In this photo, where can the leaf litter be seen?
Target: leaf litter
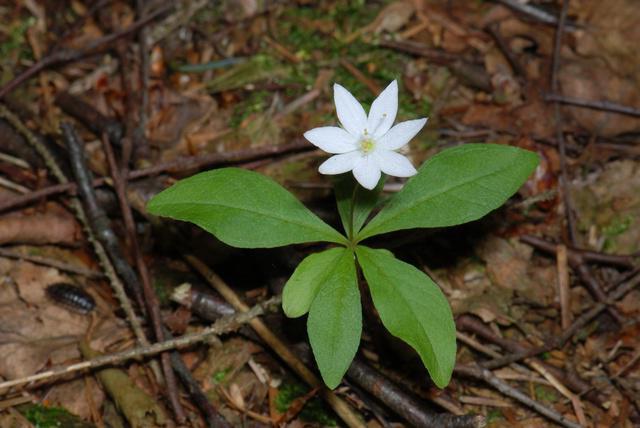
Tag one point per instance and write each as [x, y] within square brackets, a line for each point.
[244, 75]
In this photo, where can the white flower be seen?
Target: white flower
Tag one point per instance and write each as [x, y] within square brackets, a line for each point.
[365, 144]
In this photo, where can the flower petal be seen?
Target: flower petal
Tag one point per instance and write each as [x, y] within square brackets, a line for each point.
[332, 139]
[394, 164]
[367, 171]
[401, 134]
[350, 112]
[339, 163]
[383, 111]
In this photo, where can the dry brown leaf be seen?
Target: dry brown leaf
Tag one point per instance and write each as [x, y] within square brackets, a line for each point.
[47, 228]
[608, 65]
[393, 17]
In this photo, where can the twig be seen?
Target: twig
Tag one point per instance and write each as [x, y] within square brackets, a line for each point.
[370, 84]
[494, 31]
[211, 415]
[405, 405]
[45, 261]
[343, 410]
[470, 73]
[179, 164]
[481, 373]
[139, 138]
[562, 266]
[472, 324]
[8, 184]
[224, 325]
[68, 55]
[577, 255]
[99, 219]
[419, 49]
[595, 105]
[575, 400]
[534, 12]
[583, 272]
[90, 117]
[150, 298]
[559, 341]
[20, 163]
[564, 180]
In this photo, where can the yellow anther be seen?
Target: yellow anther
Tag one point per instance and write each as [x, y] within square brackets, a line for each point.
[367, 145]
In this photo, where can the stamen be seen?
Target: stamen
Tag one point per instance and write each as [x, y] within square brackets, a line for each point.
[384, 116]
[367, 145]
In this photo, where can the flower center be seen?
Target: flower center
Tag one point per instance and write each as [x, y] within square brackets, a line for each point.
[367, 145]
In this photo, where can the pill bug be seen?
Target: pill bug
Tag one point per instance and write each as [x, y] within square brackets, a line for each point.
[72, 297]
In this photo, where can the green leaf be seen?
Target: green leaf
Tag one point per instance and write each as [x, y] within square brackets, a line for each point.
[456, 186]
[363, 201]
[335, 321]
[413, 308]
[242, 208]
[313, 272]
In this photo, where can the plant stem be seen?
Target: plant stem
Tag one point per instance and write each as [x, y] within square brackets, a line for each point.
[351, 232]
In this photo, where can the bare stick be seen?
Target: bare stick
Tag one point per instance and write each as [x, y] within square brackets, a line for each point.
[562, 265]
[45, 261]
[405, 405]
[84, 180]
[595, 105]
[150, 298]
[578, 255]
[533, 12]
[343, 410]
[224, 325]
[486, 375]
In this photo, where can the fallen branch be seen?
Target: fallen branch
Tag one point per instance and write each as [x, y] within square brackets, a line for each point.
[486, 375]
[595, 105]
[222, 326]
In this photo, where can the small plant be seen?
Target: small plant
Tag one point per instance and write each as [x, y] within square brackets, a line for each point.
[248, 210]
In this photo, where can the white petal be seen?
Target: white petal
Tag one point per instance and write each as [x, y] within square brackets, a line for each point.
[339, 163]
[394, 164]
[383, 111]
[367, 172]
[332, 139]
[401, 134]
[350, 112]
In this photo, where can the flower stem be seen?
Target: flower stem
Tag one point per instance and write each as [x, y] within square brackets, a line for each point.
[352, 206]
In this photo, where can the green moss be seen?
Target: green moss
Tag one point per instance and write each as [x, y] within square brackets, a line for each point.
[16, 40]
[13, 46]
[51, 417]
[323, 50]
[544, 393]
[255, 102]
[615, 228]
[219, 376]
[313, 411]
[494, 415]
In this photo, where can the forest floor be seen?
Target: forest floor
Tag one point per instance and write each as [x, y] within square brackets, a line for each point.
[544, 290]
